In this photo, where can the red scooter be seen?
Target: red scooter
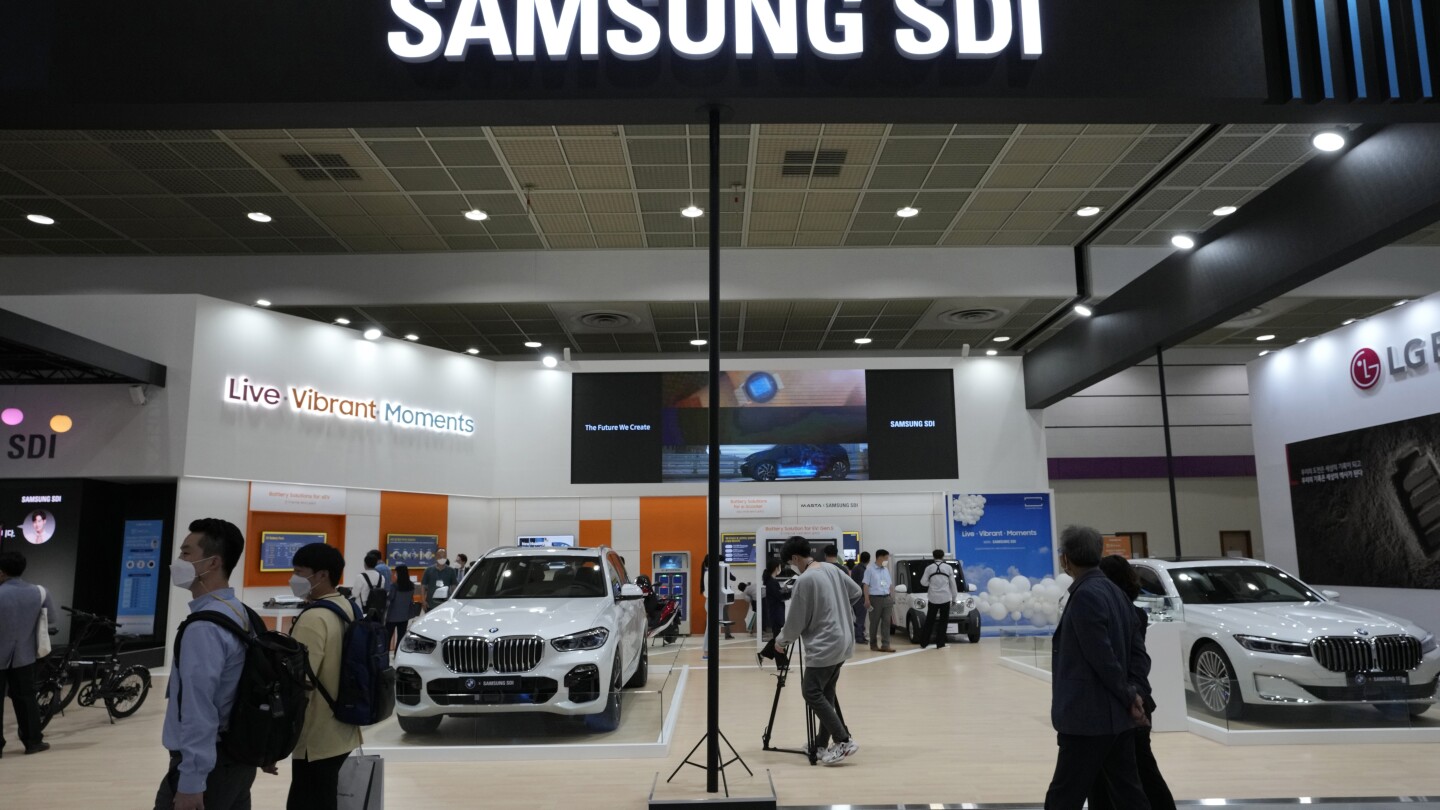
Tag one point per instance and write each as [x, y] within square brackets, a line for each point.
[662, 613]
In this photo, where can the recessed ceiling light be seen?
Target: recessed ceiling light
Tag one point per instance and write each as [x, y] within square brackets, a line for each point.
[1262, 354]
[550, 361]
[373, 334]
[472, 350]
[412, 336]
[262, 302]
[1083, 311]
[342, 321]
[691, 212]
[40, 219]
[862, 341]
[1328, 141]
[1002, 339]
[1302, 340]
[476, 215]
[1225, 210]
[991, 352]
[1088, 211]
[907, 212]
[259, 216]
[1265, 337]
[1402, 302]
[533, 344]
[699, 342]
[1182, 241]
[1347, 321]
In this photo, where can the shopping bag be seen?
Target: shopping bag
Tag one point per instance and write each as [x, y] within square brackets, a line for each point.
[42, 629]
[362, 783]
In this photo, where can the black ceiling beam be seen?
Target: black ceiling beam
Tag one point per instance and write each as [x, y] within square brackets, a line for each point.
[84, 360]
[1326, 214]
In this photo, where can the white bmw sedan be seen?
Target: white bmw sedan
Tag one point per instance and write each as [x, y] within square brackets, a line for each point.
[558, 630]
[1254, 634]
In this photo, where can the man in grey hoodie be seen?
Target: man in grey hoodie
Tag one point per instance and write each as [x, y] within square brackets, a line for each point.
[820, 616]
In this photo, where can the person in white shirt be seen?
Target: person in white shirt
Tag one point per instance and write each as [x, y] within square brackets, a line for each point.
[940, 590]
[878, 601]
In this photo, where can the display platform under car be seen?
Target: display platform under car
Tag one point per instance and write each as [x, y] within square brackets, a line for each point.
[556, 630]
[1252, 634]
[911, 600]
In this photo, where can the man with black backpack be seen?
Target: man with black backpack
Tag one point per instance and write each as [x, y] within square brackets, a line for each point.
[205, 677]
[373, 592]
[325, 739]
[940, 591]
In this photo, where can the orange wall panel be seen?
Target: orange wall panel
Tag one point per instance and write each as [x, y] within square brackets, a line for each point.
[676, 524]
[594, 533]
[413, 513]
[260, 522]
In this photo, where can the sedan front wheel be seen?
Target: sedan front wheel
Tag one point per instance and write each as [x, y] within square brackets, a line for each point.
[1214, 679]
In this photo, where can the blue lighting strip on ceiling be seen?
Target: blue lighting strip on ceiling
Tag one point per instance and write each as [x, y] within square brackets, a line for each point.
[1355, 48]
[1389, 48]
[1420, 45]
[1324, 30]
[1292, 48]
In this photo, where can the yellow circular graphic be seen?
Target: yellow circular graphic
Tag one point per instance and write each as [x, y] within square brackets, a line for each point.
[60, 423]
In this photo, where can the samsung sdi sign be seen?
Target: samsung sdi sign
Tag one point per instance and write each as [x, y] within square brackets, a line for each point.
[636, 30]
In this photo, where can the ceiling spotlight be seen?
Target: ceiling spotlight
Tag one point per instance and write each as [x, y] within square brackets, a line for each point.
[1402, 302]
[372, 333]
[476, 215]
[1088, 211]
[533, 344]
[1224, 210]
[907, 212]
[1182, 241]
[991, 352]
[1083, 311]
[40, 219]
[1002, 339]
[412, 337]
[549, 361]
[1262, 354]
[1302, 340]
[472, 350]
[1328, 141]
[699, 342]
[862, 341]
[262, 302]
[1265, 337]
[342, 321]
[1347, 321]
[258, 216]
[691, 212]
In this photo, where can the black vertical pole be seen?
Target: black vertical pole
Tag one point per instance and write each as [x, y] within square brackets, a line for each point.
[1169, 452]
[714, 585]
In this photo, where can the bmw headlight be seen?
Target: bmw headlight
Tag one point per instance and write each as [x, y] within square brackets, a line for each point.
[417, 644]
[920, 603]
[592, 639]
[1428, 644]
[1273, 646]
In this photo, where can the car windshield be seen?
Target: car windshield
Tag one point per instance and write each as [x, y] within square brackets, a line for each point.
[917, 568]
[1239, 584]
[538, 577]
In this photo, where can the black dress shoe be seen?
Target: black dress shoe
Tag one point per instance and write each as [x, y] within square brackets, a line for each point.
[37, 748]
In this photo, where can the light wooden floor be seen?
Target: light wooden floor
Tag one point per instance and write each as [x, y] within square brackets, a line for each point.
[936, 726]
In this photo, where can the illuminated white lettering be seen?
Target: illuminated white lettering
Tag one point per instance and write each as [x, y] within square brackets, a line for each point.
[852, 30]
[968, 44]
[432, 35]
[937, 33]
[646, 27]
[714, 29]
[1031, 44]
[491, 29]
[558, 30]
[779, 29]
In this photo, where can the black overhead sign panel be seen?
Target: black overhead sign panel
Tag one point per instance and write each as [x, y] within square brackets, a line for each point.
[297, 63]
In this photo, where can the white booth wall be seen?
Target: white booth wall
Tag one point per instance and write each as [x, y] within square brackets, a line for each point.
[1305, 391]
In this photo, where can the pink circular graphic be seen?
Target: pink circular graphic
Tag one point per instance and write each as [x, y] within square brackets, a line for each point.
[12, 416]
[1365, 369]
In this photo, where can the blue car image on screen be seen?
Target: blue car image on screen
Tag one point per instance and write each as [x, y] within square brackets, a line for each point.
[787, 461]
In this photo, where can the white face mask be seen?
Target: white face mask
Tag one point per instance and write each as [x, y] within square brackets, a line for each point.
[182, 572]
[300, 586]
[442, 562]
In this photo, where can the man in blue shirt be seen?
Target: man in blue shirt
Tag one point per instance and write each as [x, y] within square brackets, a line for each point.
[878, 600]
[205, 677]
[386, 578]
[20, 605]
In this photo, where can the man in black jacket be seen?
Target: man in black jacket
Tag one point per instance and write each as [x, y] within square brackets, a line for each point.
[1094, 706]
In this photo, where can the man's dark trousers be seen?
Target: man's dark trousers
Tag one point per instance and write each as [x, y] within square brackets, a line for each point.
[818, 687]
[19, 682]
[226, 788]
[1083, 758]
[934, 632]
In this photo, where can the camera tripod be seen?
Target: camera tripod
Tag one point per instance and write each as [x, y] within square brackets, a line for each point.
[795, 653]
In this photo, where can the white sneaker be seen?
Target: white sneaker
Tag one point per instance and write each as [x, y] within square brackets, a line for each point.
[836, 753]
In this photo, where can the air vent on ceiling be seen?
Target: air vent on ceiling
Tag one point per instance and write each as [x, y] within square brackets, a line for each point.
[606, 319]
[1249, 315]
[963, 318]
[324, 166]
[813, 163]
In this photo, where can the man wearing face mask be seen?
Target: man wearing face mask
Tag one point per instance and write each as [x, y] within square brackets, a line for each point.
[436, 575]
[204, 678]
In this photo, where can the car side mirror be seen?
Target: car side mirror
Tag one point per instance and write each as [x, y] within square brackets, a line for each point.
[1333, 596]
[629, 592]
[901, 589]
[970, 587]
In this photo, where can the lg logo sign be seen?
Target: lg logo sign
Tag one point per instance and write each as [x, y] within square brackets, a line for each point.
[1365, 369]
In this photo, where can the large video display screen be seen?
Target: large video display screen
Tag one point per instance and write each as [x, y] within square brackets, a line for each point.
[1366, 505]
[774, 426]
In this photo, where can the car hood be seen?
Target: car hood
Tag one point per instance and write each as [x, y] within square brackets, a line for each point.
[1299, 621]
[547, 618]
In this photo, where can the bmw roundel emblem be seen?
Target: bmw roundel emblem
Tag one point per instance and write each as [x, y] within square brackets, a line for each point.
[1360, 679]
[1362, 631]
[470, 684]
[494, 629]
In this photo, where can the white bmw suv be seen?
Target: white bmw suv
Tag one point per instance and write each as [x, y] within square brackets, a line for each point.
[558, 630]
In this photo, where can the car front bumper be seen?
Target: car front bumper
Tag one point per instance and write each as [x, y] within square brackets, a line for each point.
[571, 683]
[1289, 680]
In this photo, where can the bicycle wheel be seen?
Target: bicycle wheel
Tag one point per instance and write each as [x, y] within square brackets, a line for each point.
[127, 692]
[48, 696]
[69, 683]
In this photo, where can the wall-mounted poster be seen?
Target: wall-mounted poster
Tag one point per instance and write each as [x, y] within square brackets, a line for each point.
[139, 577]
[1006, 544]
[739, 547]
[412, 550]
[277, 549]
[1366, 505]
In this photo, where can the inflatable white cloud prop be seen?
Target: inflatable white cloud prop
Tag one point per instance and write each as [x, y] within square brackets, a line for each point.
[1020, 599]
[967, 509]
